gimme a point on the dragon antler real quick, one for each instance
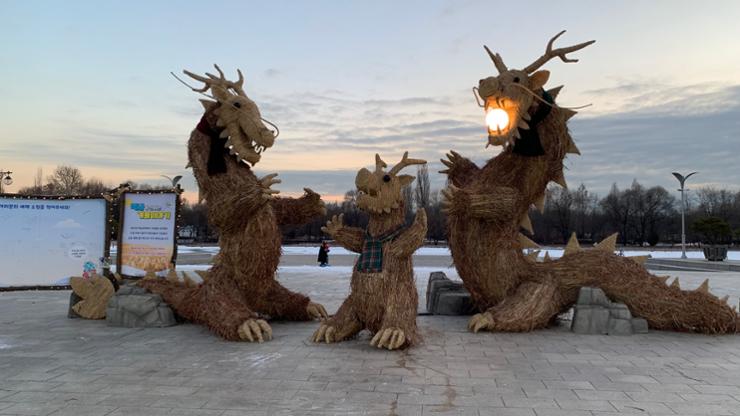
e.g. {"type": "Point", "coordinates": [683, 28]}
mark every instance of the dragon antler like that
{"type": "Point", "coordinates": [405, 161]}
{"type": "Point", "coordinates": [552, 53]}
{"type": "Point", "coordinates": [217, 84]}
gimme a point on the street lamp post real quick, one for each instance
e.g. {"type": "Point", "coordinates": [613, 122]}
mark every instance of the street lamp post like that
{"type": "Point", "coordinates": [5, 179]}
{"type": "Point", "coordinates": [682, 180]}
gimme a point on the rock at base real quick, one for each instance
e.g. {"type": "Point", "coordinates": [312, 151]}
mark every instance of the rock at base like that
{"type": "Point", "coordinates": [588, 319]}
{"type": "Point", "coordinates": [639, 326]}
{"type": "Point", "coordinates": [135, 307]}
{"type": "Point", "coordinates": [445, 297]}
{"type": "Point", "coordinates": [594, 313]}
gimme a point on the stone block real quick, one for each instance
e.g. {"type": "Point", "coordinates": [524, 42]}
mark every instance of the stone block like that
{"type": "Point", "coordinates": [133, 307]}
{"type": "Point", "coordinates": [594, 313]}
{"type": "Point", "coordinates": [620, 311]}
{"type": "Point", "coordinates": [620, 326]}
{"type": "Point", "coordinates": [590, 320]}
{"type": "Point", "coordinates": [592, 296]}
{"type": "Point", "coordinates": [584, 296]}
{"type": "Point", "coordinates": [445, 297]}
{"type": "Point", "coordinates": [639, 326]}
{"type": "Point", "coordinates": [453, 303]}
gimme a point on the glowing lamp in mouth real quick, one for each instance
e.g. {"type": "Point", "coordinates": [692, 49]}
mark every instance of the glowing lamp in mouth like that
{"type": "Point", "coordinates": [497, 120]}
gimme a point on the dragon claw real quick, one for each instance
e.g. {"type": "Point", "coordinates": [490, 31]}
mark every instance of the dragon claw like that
{"type": "Point", "coordinates": [480, 321]}
{"type": "Point", "coordinates": [316, 310]}
{"type": "Point", "coordinates": [390, 338]}
{"type": "Point", "coordinates": [325, 333]}
{"type": "Point", "coordinates": [255, 330]}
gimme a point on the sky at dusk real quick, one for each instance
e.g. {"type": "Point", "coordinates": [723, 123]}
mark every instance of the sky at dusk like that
{"type": "Point", "coordinates": [87, 83]}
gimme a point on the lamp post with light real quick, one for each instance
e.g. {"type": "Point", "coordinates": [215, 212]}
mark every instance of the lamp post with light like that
{"type": "Point", "coordinates": [5, 179]}
{"type": "Point", "coordinates": [682, 180]}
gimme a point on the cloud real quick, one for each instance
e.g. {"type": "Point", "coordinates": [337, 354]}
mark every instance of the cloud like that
{"type": "Point", "coordinates": [649, 130]}
{"type": "Point", "coordinates": [272, 73]}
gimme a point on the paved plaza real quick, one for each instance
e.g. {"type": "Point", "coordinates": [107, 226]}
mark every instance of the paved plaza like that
{"type": "Point", "coordinates": [51, 365]}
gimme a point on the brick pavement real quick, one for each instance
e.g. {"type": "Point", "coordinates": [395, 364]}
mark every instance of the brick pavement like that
{"type": "Point", "coordinates": [51, 365]}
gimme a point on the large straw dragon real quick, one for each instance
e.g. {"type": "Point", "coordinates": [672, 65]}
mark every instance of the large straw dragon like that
{"type": "Point", "coordinates": [241, 287]}
{"type": "Point", "coordinates": [488, 206]}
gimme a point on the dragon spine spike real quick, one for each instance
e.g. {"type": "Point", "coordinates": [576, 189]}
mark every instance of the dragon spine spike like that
{"type": "Point", "coordinates": [540, 203]}
{"type": "Point", "coordinates": [704, 287]}
{"type": "Point", "coordinates": [725, 298]}
{"type": "Point", "coordinates": [676, 284]}
{"type": "Point", "coordinates": [525, 116]}
{"type": "Point", "coordinates": [523, 124]}
{"type": "Point", "coordinates": [568, 113]}
{"type": "Point", "coordinates": [609, 244]}
{"type": "Point", "coordinates": [533, 256]}
{"type": "Point", "coordinates": [572, 148]}
{"type": "Point", "coordinates": [572, 246]}
{"type": "Point", "coordinates": [547, 256]}
{"type": "Point", "coordinates": [560, 179]}
{"type": "Point", "coordinates": [526, 223]}
{"type": "Point", "coordinates": [525, 242]}
{"type": "Point", "coordinates": [555, 91]}
{"type": "Point", "coordinates": [662, 279]}
{"type": "Point", "coordinates": [188, 281]}
{"type": "Point", "coordinates": [203, 274]}
{"type": "Point", "coordinates": [639, 259]}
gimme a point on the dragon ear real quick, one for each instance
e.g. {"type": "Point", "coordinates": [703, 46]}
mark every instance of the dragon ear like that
{"type": "Point", "coordinates": [405, 179]}
{"type": "Point", "coordinates": [208, 104]}
{"type": "Point", "coordinates": [538, 79]}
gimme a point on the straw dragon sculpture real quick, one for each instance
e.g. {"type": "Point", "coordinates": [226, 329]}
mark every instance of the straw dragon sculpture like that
{"type": "Point", "coordinates": [488, 206]}
{"type": "Point", "coordinates": [383, 296]}
{"type": "Point", "coordinates": [241, 287]}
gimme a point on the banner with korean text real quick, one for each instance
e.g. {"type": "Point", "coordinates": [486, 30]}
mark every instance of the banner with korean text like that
{"type": "Point", "coordinates": [44, 241]}
{"type": "Point", "coordinates": [147, 233]}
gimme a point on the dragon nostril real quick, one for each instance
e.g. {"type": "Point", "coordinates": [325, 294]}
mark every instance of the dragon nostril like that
{"type": "Point", "coordinates": [237, 104]}
{"type": "Point", "coordinates": [386, 178]}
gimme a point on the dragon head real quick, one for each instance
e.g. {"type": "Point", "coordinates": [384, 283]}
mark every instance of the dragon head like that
{"type": "Point", "coordinates": [380, 191]}
{"type": "Point", "coordinates": [509, 97]}
{"type": "Point", "coordinates": [243, 127]}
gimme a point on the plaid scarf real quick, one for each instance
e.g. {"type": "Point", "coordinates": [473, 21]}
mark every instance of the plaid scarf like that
{"type": "Point", "coordinates": [371, 258]}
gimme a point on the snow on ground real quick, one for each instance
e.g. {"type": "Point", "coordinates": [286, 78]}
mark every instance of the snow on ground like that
{"type": "Point", "coordinates": [445, 251]}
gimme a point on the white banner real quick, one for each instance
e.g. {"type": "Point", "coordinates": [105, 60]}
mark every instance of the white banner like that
{"type": "Point", "coordinates": [45, 242]}
{"type": "Point", "coordinates": [148, 238]}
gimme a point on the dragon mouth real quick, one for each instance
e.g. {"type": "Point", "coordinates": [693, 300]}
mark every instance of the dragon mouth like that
{"type": "Point", "coordinates": [370, 201]}
{"type": "Point", "coordinates": [504, 119]}
{"type": "Point", "coordinates": [245, 150]}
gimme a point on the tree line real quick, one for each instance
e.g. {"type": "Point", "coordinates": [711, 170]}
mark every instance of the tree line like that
{"type": "Point", "coordinates": [643, 216]}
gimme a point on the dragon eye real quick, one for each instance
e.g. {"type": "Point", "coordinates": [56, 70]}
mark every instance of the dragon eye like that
{"type": "Point", "coordinates": [516, 79]}
{"type": "Point", "coordinates": [237, 104]}
{"type": "Point", "coordinates": [386, 178]}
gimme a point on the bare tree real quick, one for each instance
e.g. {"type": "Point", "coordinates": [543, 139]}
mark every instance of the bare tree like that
{"type": "Point", "coordinates": [618, 211]}
{"type": "Point", "coordinates": [408, 198]}
{"type": "Point", "coordinates": [560, 205]}
{"type": "Point", "coordinates": [421, 192]}
{"type": "Point", "coordinates": [65, 180]}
